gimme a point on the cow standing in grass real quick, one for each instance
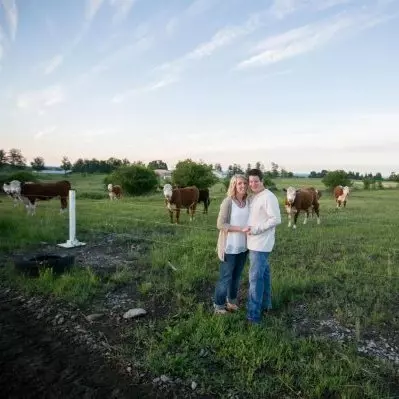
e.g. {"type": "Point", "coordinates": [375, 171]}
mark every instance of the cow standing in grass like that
{"type": "Point", "coordinates": [204, 197]}
{"type": "Point", "coordinates": [341, 195]}
{"type": "Point", "coordinates": [32, 192]}
{"type": "Point", "coordinates": [181, 198]}
{"type": "Point", "coordinates": [114, 192]}
{"type": "Point", "coordinates": [298, 200]}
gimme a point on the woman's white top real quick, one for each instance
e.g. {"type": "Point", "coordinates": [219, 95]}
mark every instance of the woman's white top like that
{"type": "Point", "coordinates": [236, 241]}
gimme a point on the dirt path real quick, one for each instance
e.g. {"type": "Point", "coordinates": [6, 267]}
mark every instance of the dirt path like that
{"type": "Point", "coordinates": [38, 362]}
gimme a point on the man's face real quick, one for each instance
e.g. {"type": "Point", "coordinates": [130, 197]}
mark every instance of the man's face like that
{"type": "Point", "coordinates": [255, 184]}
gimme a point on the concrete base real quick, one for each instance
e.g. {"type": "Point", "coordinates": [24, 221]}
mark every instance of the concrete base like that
{"type": "Point", "coordinates": [72, 244]}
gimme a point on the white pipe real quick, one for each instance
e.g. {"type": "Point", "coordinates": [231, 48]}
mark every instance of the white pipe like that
{"type": "Point", "coordinates": [72, 217]}
{"type": "Point", "coordinates": [72, 242]}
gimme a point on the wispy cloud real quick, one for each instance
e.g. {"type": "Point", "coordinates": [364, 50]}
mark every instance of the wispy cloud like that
{"type": "Point", "coordinates": [44, 132]}
{"type": "Point", "coordinates": [196, 8]}
{"type": "Point", "coordinates": [225, 37]}
{"type": "Point", "coordinates": [53, 64]}
{"type": "Point", "coordinates": [92, 7]}
{"type": "Point", "coordinates": [283, 8]}
{"type": "Point", "coordinates": [153, 86]}
{"type": "Point", "coordinates": [122, 9]}
{"type": "Point", "coordinates": [38, 100]}
{"type": "Point", "coordinates": [309, 38]}
{"type": "Point", "coordinates": [11, 11]}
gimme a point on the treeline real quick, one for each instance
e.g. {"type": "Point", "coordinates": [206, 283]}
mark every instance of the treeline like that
{"type": "Point", "coordinates": [357, 176]}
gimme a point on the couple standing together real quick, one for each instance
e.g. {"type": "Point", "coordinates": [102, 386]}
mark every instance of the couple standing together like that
{"type": "Point", "coordinates": [246, 226]}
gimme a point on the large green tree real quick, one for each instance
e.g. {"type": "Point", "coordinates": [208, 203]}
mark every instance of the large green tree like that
{"type": "Point", "coordinates": [158, 164]}
{"type": "Point", "coordinates": [135, 179]}
{"type": "Point", "coordinates": [37, 163]}
{"type": "Point", "coordinates": [15, 158]}
{"type": "Point", "coordinates": [190, 173]}
{"type": "Point", "coordinates": [335, 178]}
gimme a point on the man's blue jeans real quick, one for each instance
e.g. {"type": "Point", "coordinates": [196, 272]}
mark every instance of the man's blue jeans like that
{"type": "Point", "coordinates": [260, 287]}
{"type": "Point", "coordinates": [229, 279]}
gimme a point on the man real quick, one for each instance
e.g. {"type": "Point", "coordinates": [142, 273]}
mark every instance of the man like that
{"type": "Point", "coordinates": [264, 216]}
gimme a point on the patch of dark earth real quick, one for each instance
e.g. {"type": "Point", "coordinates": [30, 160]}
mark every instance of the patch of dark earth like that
{"type": "Point", "coordinates": [52, 349]}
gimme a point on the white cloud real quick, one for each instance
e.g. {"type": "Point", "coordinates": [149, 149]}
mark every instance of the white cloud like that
{"type": "Point", "coordinates": [44, 132]}
{"type": "Point", "coordinates": [282, 8]}
{"type": "Point", "coordinates": [92, 7]}
{"type": "Point", "coordinates": [196, 8]}
{"type": "Point", "coordinates": [122, 9]}
{"type": "Point", "coordinates": [309, 37]}
{"type": "Point", "coordinates": [153, 86]}
{"type": "Point", "coordinates": [53, 64]}
{"type": "Point", "coordinates": [11, 10]}
{"type": "Point", "coordinates": [225, 37]}
{"type": "Point", "coordinates": [38, 100]}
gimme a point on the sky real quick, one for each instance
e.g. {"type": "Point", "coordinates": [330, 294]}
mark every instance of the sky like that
{"type": "Point", "coordinates": [307, 84]}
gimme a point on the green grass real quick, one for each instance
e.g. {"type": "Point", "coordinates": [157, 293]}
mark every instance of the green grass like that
{"type": "Point", "coordinates": [345, 269]}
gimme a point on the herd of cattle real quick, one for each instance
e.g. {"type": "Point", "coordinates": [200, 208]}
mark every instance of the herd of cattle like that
{"type": "Point", "coordinates": [296, 200]}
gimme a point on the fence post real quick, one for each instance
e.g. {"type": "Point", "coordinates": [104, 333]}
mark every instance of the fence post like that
{"type": "Point", "coordinates": [72, 242]}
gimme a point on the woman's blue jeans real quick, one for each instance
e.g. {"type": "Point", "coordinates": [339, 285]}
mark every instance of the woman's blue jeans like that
{"type": "Point", "coordinates": [260, 288]}
{"type": "Point", "coordinates": [229, 279]}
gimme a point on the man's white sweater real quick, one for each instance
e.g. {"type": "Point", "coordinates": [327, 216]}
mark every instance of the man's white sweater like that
{"type": "Point", "coordinates": [264, 216]}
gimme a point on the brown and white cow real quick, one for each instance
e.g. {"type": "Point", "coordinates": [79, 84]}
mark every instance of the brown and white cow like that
{"type": "Point", "coordinates": [303, 199]}
{"type": "Point", "coordinates": [204, 197]}
{"type": "Point", "coordinates": [181, 198]}
{"type": "Point", "coordinates": [114, 192]}
{"type": "Point", "coordinates": [13, 189]}
{"type": "Point", "coordinates": [341, 195]}
{"type": "Point", "coordinates": [32, 192]}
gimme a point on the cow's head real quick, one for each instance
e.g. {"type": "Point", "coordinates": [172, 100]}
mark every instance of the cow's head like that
{"type": "Point", "coordinates": [345, 191]}
{"type": "Point", "coordinates": [167, 192]}
{"type": "Point", "coordinates": [110, 187]}
{"type": "Point", "coordinates": [291, 194]}
{"type": "Point", "coordinates": [6, 188]}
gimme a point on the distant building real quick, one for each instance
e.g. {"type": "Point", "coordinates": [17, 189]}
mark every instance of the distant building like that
{"type": "Point", "coordinates": [163, 174]}
{"type": "Point", "coordinates": [53, 171]}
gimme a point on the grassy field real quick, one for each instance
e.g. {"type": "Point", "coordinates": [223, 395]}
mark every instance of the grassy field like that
{"type": "Point", "coordinates": [340, 276]}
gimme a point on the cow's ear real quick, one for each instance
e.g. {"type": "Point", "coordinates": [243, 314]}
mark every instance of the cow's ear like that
{"type": "Point", "coordinates": [298, 190]}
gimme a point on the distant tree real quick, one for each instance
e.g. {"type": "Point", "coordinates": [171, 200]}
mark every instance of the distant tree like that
{"type": "Point", "coordinates": [125, 162]}
{"type": "Point", "coordinates": [190, 173]}
{"type": "Point", "coordinates": [3, 158]}
{"type": "Point", "coordinates": [65, 164]}
{"type": "Point", "coordinates": [16, 159]}
{"type": "Point", "coordinates": [37, 163]}
{"type": "Point", "coordinates": [336, 178]}
{"type": "Point", "coordinates": [248, 168]}
{"type": "Point", "coordinates": [158, 164]}
{"type": "Point", "coordinates": [275, 170]}
{"type": "Point", "coordinates": [378, 176]}
{"type": "Point", "coordinates": [135, 179]}
{"type": "Point", "coordinates": [218, 167]}
{"type": "Point", "coordinates": [393, 176]}
{"type": "Point", "coordinates": [234, 170]}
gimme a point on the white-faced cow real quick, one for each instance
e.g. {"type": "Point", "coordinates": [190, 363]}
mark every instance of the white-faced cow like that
{"type": "Point", "coordinates": [32, 192]}
{"type": "Point", "coordinates": [341, 195]}
{"type": "Point", "coordinates": [181, 198]}
{"type": "Point", "coordinates": [204, 197]}
{"type": "Point", "coordinates": [13, 189]}
{"type": "Point", "coordinates": [303, 199]}
{"type": "Point", "coordinates": [114, 192]}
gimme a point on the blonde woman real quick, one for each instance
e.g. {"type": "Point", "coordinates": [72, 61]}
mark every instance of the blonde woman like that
{"type": "Point", "coordinates": [232, 244]}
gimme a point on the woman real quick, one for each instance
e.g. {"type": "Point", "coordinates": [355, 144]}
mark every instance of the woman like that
{"type": "Point", "coordinates": [232, 244]}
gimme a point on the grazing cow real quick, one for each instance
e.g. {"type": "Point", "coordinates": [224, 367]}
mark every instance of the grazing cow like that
{"type": "Point", "coordinates": [182, 198]}
{"type": "Point", "coordinates": [298, 200]}
{"type": "Point", "coordinates": [114, 192]}
{"type": "Point", "coordinates": [341, 194]}
{"type": "Point", "coordinates": [13, 189]}
{"type": "Point", "coordinates": [204, 197]}
{"type": "Point", "coordinates": [32, 192]}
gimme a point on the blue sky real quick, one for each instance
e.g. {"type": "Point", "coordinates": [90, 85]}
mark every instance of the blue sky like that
{"type": "Point", "coordinates": [308, 84]}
